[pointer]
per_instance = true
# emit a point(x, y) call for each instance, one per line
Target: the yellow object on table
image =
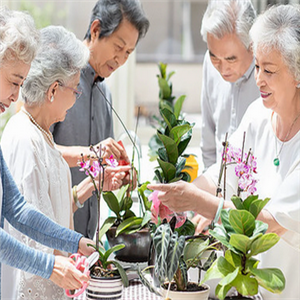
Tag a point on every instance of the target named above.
point(193, 165)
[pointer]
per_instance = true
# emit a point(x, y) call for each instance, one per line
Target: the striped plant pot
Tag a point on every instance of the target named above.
point(104, 288)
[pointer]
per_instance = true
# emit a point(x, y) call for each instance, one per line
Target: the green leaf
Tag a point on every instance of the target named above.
point(181, 276)
point(161, 241)
point(242, 221)
point(233, 258)
point(168, 117)
point(269, 278)
point(112, 202)
point(165, 91)
point(188, 228)
point(178, 131)
point(229, 277)
point(222, 290)
point(248, 201)
point(257, 205)
point(146, 218)
point(144, 192)
point(108, 223)
point(238, 202)
point(221, 235)
point(264, 243)
point(168, 169)
point(178, 106)
point(240, 242)
point(184, 143)
point(162, 154)
point(225, 221)
point(171, 148)
point(129, 223)
point(180, 165)
point(121, 271)
point(194, 249)
point(175, 250)
point(260, 228)
point(246, 285)
point(111, 250)
point(126, 204)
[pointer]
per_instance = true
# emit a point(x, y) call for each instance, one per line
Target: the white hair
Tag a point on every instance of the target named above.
point(60, 57)
point(228, 17)
point(278, 28)
point(19, 38)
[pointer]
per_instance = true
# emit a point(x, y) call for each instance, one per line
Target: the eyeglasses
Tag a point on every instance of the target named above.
point(77, 92)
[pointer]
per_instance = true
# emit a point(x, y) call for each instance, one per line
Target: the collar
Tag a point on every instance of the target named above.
point(90, 74)
point(248, 73)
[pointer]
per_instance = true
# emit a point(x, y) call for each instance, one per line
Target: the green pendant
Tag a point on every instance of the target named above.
point(276, 162)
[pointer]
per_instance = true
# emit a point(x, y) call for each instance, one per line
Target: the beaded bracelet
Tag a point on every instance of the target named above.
point(75, 197)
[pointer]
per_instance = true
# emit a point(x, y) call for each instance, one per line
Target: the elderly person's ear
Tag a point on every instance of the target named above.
point(52, 91)
point(95, 30)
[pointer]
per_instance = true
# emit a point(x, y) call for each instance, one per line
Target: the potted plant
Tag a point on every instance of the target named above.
point(127, 228)
point(243, 236)
point(107, 276)
point(103, 276)
point(173, 133)
point(174, 255)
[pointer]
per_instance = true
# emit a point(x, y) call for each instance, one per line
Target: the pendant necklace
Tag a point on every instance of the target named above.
point(276, 159)
point(48, 135)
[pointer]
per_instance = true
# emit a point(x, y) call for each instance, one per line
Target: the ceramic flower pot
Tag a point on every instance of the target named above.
point(187, 295)
point(137, 245)
point(104, 288)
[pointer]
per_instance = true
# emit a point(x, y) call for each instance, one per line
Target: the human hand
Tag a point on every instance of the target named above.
point(201, 223)
point(130, 178)
point(83, 247)
point(113, 148)
point(65, 274)
point(178, 196)
point(114, 177)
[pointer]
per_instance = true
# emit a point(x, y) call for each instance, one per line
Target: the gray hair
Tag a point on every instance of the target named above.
point(19, 38)
point(60, 57)
point(278, 28)
point(229, 17)
point(111, 13)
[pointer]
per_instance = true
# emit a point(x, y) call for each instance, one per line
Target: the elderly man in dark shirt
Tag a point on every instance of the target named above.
point(115, 28)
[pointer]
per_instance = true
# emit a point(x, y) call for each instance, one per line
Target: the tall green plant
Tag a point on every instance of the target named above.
point(173, 133)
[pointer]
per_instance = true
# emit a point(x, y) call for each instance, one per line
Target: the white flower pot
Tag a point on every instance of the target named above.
point(104, 288)
point(180, 295)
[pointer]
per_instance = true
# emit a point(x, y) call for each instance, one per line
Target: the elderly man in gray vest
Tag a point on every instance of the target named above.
point(115, 28)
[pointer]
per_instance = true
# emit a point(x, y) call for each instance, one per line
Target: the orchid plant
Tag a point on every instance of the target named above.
point(243, 236)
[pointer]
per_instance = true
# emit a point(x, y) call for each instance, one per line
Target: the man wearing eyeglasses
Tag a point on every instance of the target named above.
point(114, 30)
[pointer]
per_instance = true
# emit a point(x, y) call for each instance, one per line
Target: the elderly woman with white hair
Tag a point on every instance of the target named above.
point(19, 41)
point(38, 167)
point(272, 126)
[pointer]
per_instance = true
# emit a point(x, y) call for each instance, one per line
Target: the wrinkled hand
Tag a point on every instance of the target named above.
point(114, 177)
point(178, 196)
point(66, 275)
point(200, 223)
point(113, 148)
point(130, 178)
point(83, 247)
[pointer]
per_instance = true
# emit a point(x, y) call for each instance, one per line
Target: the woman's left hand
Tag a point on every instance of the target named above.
point(114, 177)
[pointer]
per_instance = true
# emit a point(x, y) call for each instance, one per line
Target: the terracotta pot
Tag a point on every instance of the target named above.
point(104, 288)
point(137, 245)
point(186, 295)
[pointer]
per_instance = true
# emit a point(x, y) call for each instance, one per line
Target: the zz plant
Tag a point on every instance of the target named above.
point(245, 238)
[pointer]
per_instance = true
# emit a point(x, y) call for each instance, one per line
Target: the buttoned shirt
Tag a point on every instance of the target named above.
point(223, 105)
point(87, 123)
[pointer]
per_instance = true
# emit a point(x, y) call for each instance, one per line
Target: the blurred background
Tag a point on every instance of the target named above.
point(173, 38)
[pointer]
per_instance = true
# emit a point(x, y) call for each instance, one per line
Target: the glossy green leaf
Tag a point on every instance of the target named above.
point(168, 117)
point(242, 221)
point(271, 279)
point(184, 143)
point(147, 283)
point(188, 228)
point(128, 223)
point(164, 88)
point(233, 258)
point(249, 200)
point(178, 105)
point(229, 278)
point(264, 243)
point(177, 132)
point(162, 154)
point(238, 202)
point(115, 248)
point(225, 221)
point(121, 271)
point(260, 228)
point(240, 242)
point(171, 148)
point(246, 285)
point(144, 193)
point(168, 169)
point(175, 250)
point(161, 241)
point(112, 202)
point(257, 205)
point(108, 223)
point(222, 290)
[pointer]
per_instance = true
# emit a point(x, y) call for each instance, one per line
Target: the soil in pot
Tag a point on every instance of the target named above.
point(191, 287)
point(137, 245)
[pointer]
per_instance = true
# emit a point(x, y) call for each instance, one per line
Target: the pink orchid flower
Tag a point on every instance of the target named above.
point(112, 162)
point(160, 210)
